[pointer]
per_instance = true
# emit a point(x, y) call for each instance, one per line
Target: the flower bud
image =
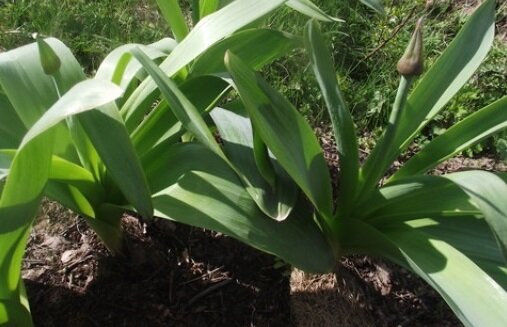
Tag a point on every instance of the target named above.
point(48, 58)
point(412, 62)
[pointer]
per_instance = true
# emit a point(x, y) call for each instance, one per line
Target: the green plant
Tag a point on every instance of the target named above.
point(450, 230)
point(105, 145)
point(245, 185)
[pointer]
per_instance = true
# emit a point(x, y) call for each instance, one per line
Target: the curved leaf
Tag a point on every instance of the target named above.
point(488, 192)
point(416, 197)
point(471, 236)
point(201, 190)
point(474, 296)
point(84, 96)
point(459, 137)
point(119, 69)
point(236, 133)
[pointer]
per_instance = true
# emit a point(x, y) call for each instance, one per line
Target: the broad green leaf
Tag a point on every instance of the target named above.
point(444, 79)
point(471, 236)
point(475, 298)
point(257, 47)
point(207, 7)
point(375, 5)
point(459, 137)
point(343, 126)
point(311, 10)
point(208, 31)
point(118, 67)
point(21, 74)
point(488, 192)
point(66, 172)
point(191, 119)
point(287, 134)
point(173, 15)
point(11, 127)
point(18, 206)
point(216, 27)
point(413, 198)
point(84, 96)
point(201, 190)
point(236, 133)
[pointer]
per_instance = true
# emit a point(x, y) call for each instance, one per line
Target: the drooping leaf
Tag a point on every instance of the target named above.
point(413, 198)
point(118, 67)
point(488, 192)
point(201, 190)
point(21, 73)
point(470, 235)
point(475, 298)
point(84, 96)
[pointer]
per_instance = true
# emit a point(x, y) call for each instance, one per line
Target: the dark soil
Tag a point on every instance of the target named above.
point(169, 275)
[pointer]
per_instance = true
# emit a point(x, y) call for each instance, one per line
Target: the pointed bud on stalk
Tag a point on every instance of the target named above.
point(412, 62)
point(48, 58)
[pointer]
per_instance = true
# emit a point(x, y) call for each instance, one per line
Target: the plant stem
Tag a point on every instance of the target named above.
point(370, 181)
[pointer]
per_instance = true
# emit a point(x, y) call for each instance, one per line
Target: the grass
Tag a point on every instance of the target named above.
point(90, 28)
point(366, 49)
